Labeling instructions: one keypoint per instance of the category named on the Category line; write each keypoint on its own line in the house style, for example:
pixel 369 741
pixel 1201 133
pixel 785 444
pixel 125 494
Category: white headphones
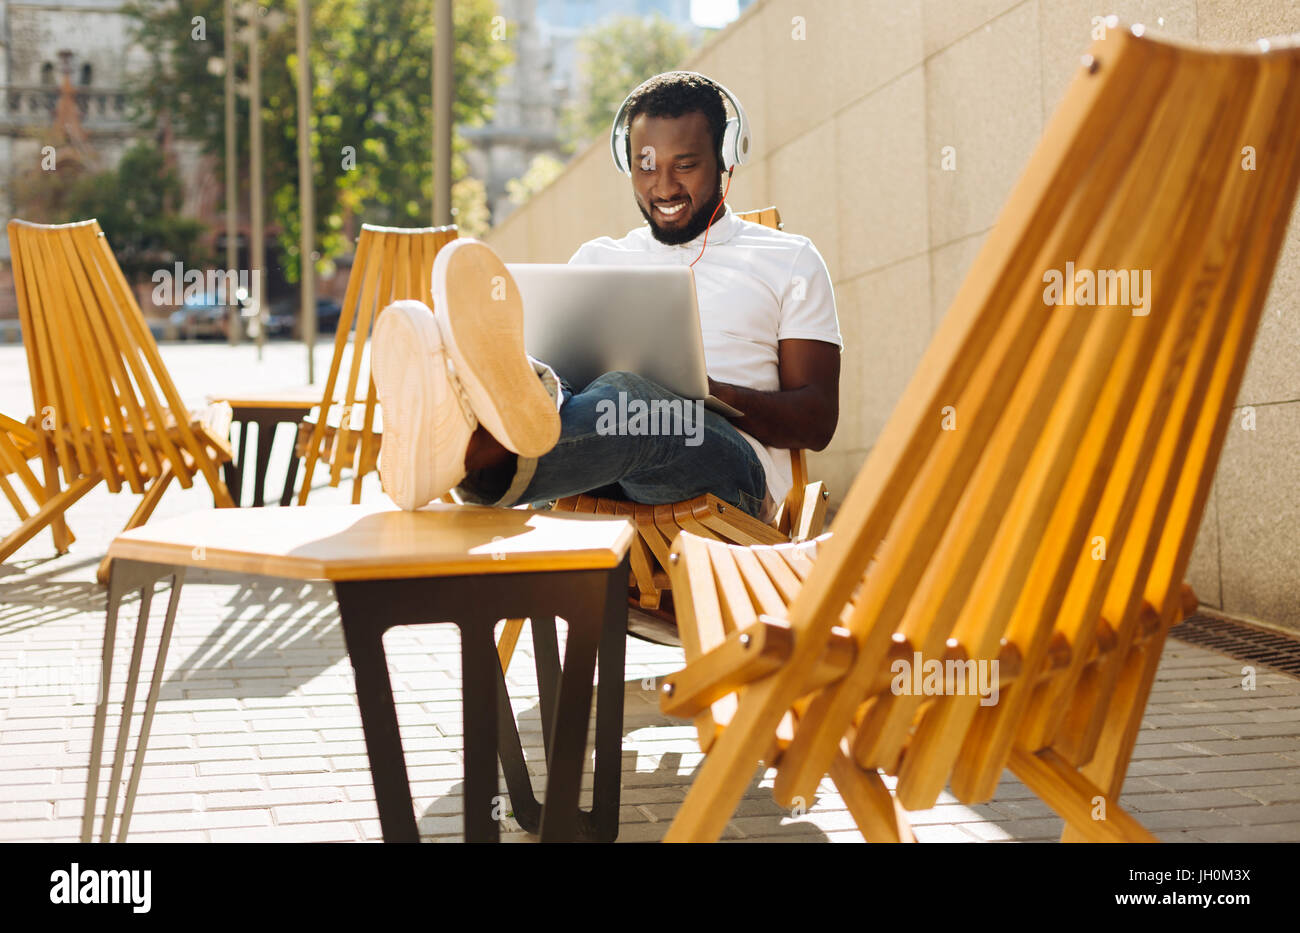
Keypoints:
pixel 735 137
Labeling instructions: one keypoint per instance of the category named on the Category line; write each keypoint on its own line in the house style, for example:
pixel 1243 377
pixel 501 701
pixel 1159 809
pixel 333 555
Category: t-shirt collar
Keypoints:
pixel 722 230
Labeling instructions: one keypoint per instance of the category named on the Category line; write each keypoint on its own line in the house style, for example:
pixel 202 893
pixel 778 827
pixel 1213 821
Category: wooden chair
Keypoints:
pixel 17 446
pixel 106 408
pixel 391 264
pixel 800 516
pixel 1035 496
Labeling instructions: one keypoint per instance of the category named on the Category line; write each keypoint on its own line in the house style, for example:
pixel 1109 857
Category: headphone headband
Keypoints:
pixel 735 135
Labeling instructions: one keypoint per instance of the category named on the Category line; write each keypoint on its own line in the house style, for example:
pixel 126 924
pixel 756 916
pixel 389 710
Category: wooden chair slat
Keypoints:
pixel 118 391
pixel 1081 607
pixel 973 544
pixel 86 341
pixel 700 620
pixel 762 589
pixel 1202 406
pixel 390 264
pixel 45 392
pixel 134 376
pixel 374 288
pixel 1012 366
pixel 68 371
pixel 1140 221
pixel 347 316
pixel 144 341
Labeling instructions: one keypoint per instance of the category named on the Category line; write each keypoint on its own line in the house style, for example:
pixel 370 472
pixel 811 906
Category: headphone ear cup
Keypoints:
pixel 730 136
pixel 622 143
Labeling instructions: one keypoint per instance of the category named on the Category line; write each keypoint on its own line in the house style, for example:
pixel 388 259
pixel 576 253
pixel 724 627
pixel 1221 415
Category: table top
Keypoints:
pixel 302 397
pixel 364 542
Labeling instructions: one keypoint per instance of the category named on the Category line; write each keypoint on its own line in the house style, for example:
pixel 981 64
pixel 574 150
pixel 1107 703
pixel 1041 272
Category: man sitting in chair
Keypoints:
pixel 466 408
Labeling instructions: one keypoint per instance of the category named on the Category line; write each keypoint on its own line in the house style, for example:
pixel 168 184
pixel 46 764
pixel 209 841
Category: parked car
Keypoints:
pixel 282 317
pixel 200 318
pixel 328 312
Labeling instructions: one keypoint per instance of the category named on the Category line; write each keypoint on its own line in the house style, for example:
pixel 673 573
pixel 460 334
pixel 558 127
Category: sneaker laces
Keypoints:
pixel 462 395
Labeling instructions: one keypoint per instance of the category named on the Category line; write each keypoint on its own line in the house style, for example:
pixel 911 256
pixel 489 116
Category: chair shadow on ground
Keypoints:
pixel 274 637
pixel 650 797
pixel 28 599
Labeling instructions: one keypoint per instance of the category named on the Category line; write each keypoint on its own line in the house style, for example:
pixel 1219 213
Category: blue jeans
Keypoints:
pixel 604 449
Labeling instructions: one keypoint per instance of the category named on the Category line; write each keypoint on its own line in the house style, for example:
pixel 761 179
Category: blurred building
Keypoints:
pixel 542 81
pixel 77 51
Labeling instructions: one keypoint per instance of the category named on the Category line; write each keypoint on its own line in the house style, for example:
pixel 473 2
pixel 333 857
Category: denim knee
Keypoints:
pixel 633 385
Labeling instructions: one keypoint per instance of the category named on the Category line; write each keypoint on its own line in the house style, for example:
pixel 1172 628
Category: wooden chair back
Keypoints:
pixel 793 506
pixel 105 404
pixel 391 264
pixel 1036 494
pixel 17 446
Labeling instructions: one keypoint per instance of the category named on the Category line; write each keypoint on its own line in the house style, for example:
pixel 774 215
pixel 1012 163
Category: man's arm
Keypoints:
pixel 804 411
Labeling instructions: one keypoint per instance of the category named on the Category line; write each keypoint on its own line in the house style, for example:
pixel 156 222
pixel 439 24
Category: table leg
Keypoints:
pixel 585 615
pixel 365 646
pixel 546 659
pixel 478 659
pixel 593 602
pixel 265 438
pixel 235 468
pixel 290 476
pixel 519 783
pixel 126 577
pixel 607 789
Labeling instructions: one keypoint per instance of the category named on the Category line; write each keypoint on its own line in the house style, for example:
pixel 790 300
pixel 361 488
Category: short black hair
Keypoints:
pixel 675 94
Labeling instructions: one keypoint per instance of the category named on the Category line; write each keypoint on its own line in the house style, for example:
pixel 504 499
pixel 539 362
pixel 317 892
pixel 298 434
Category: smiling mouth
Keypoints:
pixel 671 209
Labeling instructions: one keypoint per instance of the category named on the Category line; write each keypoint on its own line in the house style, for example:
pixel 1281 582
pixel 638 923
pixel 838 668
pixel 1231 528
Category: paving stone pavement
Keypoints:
pixel 257 735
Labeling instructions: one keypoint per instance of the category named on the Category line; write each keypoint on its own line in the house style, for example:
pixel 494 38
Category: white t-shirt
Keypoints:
pixel 756 286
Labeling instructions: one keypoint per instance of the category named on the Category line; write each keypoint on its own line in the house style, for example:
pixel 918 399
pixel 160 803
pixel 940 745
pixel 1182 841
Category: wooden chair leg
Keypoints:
pixel 879 816
pixel 509 638
pixel 813 514
pixel 14 501
pixel 48 514
pixel 148 502
pixel 63 537
pixel 1074 797
pixel 1109 764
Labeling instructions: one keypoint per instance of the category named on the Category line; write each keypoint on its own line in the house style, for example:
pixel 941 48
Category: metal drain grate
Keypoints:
pixel 1242 641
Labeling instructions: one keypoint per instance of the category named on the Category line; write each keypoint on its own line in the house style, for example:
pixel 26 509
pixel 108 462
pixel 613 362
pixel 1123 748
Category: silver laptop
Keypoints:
pixel 584 321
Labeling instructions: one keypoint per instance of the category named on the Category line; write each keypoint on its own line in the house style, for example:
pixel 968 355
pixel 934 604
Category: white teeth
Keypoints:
pixel 671 210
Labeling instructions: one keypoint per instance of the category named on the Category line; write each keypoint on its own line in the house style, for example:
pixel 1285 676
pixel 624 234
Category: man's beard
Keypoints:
pixel 689 230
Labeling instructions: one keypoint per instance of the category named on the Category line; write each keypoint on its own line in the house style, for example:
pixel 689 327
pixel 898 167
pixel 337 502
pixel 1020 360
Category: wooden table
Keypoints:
pixel 268 412
pixel 468 565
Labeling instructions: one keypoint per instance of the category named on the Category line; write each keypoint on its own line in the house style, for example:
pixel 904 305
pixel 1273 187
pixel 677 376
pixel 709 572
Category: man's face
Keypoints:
pixel 674 167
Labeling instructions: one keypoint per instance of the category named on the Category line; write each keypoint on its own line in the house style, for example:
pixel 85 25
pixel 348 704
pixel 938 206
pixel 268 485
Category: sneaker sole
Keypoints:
pixel 402 346
pixel 484 336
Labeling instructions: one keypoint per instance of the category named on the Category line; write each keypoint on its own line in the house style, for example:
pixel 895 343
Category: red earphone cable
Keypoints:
pixel 730 171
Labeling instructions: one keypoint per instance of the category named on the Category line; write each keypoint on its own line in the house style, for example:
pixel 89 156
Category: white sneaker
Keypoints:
pixel 427 417
pixel 478 309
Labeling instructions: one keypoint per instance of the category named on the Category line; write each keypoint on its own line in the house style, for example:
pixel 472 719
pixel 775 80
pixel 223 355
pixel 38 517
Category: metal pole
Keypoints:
pixel 306 203
pixel 232 178
pixel 257 258
pixel 443 76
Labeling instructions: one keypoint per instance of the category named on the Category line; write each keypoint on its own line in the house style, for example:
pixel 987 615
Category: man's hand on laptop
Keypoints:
pixel 804 411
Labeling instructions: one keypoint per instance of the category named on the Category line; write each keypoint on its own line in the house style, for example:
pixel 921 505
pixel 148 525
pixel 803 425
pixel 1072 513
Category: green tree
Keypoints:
pixel 614 58
pixel 542 170
pixel 372 128
pixel 137 204
pixel 470 208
